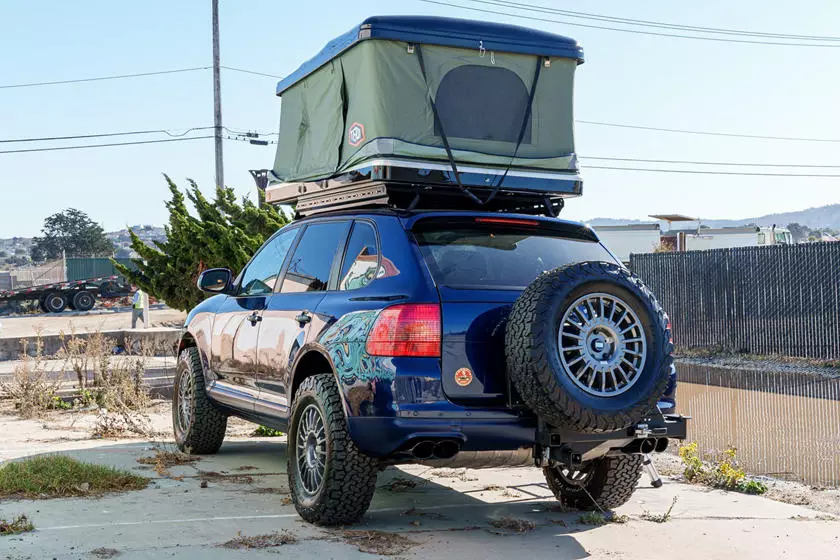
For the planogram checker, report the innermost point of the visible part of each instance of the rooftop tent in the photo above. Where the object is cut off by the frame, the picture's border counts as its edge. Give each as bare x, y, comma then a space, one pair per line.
368, 95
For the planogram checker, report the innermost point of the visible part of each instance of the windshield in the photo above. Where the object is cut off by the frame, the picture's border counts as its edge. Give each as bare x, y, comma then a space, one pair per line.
477, 256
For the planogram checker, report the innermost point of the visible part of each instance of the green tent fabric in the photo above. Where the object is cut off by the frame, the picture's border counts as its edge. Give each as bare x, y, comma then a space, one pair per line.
372, 102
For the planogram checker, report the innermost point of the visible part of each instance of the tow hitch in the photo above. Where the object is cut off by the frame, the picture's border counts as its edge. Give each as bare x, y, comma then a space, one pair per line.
559, 447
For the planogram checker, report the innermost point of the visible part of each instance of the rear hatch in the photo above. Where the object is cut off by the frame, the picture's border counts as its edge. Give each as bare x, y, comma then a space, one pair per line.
480, 265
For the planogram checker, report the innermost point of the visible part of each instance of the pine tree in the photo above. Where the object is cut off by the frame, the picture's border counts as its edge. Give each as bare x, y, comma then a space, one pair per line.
222, 233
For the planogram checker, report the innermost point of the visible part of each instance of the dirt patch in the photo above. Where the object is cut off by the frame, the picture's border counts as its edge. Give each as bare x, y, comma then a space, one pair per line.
163, 460
400, 484
213, 476
268, 491
103, 552
246, 468
378, 542
453, 474
270, 540
513, 524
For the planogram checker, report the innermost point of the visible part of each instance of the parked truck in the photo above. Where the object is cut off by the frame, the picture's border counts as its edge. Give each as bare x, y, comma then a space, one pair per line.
79, 295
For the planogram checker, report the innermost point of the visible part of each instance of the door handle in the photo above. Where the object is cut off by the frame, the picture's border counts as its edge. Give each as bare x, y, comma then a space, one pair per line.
303, 318
254, 318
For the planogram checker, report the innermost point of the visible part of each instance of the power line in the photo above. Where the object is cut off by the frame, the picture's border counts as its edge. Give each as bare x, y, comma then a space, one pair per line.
635, 31
719, 163
81, 147
138, 75
649, 23
104, 135
102, 78
243, 70
710, 133
128, 133
703, 172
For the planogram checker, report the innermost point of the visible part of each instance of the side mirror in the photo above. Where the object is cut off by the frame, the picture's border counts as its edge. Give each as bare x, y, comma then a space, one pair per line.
215, 281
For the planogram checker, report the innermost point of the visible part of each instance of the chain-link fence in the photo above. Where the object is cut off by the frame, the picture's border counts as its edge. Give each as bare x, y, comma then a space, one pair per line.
783, 299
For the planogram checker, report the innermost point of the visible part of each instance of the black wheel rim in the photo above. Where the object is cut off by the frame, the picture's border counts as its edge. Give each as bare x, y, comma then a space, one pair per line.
84, 300
577, 478
311, 449
56, 302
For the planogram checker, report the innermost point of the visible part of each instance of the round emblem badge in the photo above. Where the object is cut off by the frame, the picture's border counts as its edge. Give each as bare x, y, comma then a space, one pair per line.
463, 377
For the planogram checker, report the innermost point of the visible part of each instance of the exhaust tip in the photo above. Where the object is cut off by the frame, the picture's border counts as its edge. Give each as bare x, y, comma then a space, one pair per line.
423, 450
648, 445
446, 449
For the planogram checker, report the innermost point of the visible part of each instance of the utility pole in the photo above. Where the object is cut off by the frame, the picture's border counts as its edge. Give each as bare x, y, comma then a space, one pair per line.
217, 99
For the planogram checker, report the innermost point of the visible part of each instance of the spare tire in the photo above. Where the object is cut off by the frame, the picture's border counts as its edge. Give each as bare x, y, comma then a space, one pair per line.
588, 347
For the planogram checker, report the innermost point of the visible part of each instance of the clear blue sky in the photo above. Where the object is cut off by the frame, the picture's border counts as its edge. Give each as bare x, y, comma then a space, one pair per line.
627, 78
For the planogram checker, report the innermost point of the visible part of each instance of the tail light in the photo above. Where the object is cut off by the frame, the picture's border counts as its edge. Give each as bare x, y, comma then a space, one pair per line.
406, 330
668, 328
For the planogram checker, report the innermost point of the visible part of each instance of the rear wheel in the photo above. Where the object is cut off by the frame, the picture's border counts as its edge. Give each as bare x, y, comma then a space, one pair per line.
198, 424
83, 301
55, 302
331, 480
604, 483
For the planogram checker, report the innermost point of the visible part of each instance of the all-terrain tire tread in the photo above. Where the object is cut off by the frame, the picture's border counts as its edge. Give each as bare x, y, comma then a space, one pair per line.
350, 478
530, 370
612, 483
208, 424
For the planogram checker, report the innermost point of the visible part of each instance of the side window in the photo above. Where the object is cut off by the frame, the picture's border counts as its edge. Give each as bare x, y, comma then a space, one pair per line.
361, 260
261, 274
483, 103
309, 269
762, 239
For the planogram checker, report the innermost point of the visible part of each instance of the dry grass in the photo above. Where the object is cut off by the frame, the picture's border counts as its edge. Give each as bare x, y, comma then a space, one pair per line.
513, 524
598, 518
31, 390
378, 542
16, 526
660, 517
260, 541
400, 484
163, 460
59, 476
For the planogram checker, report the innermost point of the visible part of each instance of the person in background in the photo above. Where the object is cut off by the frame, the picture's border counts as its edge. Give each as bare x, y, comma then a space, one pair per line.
140, 302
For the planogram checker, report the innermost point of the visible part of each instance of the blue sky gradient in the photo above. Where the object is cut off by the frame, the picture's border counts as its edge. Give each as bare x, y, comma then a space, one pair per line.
627, 78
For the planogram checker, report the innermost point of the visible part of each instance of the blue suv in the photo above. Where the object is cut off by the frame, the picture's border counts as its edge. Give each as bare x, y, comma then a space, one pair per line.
383, 336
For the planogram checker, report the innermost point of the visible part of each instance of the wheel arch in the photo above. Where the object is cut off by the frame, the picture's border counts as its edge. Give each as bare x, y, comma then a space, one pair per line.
311, 360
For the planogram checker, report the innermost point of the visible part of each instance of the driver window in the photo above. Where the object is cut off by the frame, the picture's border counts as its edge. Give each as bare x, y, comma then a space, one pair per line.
261, 275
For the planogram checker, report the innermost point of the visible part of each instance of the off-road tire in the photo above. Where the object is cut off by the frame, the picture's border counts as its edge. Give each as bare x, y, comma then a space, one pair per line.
42, 304
533, 362
349, 478
610, 483
206, 430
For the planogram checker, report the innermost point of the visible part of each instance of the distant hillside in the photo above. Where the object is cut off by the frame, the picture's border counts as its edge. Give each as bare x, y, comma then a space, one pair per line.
15, 251
813, 218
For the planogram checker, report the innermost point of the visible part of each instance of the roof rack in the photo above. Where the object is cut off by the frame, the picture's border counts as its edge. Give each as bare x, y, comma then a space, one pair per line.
411, 185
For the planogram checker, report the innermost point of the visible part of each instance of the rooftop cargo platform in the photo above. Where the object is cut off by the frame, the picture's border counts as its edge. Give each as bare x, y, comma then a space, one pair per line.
434, 106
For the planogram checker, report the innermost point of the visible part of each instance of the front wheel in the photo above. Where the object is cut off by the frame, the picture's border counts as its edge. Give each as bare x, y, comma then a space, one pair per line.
604, 483
331, 480
198, 424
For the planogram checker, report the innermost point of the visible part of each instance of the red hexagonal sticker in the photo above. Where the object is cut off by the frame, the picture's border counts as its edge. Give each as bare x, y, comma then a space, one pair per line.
356, 134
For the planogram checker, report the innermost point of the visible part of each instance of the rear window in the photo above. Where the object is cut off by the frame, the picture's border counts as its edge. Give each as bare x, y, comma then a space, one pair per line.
476, 256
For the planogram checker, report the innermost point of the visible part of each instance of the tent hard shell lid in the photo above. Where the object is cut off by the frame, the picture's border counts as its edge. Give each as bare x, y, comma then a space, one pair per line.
479, 110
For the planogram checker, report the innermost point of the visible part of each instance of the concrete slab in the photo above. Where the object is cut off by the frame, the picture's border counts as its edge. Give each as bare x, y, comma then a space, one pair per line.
444, 512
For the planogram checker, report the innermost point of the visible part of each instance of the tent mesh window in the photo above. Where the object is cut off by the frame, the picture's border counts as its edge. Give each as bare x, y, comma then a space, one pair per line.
482, 103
